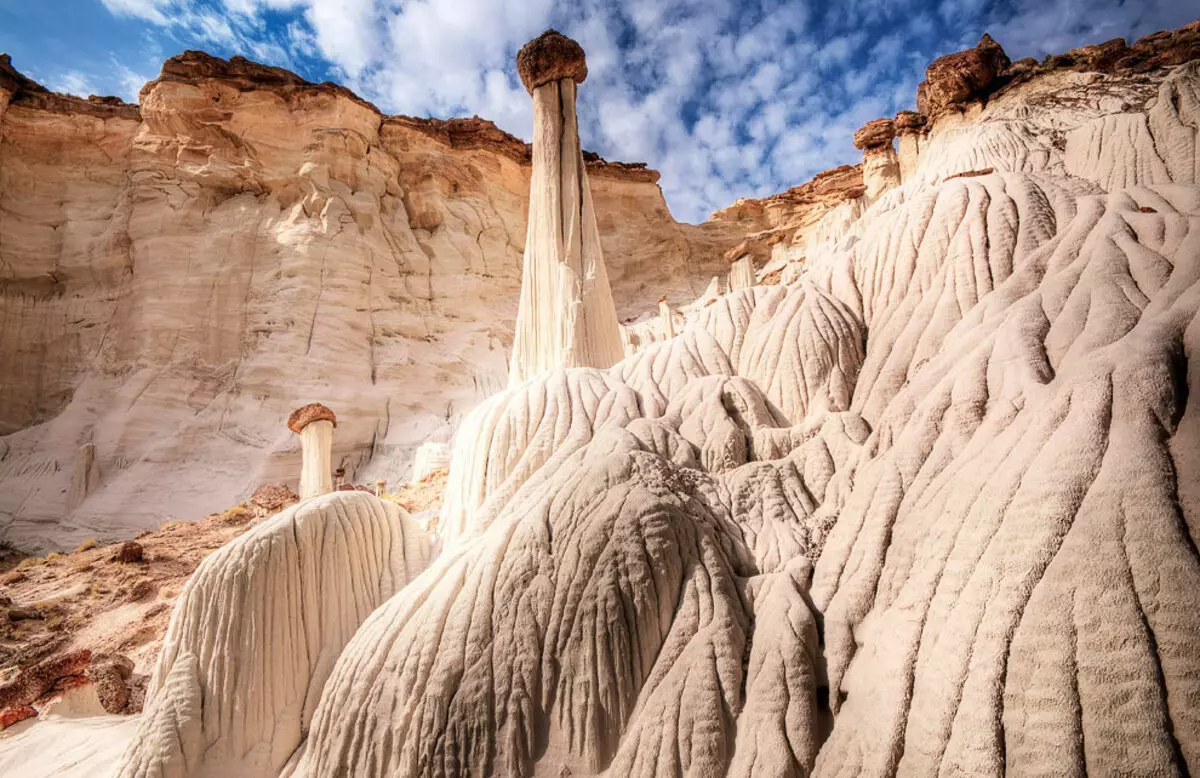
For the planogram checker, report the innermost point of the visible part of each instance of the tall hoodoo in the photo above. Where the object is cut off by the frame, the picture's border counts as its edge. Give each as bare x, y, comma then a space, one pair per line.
881, 168
314, 424
566, 316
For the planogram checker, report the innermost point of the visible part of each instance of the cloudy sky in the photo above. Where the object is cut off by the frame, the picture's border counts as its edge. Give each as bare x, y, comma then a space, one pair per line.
726, 99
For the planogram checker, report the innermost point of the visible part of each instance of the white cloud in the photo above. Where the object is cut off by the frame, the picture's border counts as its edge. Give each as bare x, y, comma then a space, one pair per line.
72, 82
150, 10
130, 82
727, 99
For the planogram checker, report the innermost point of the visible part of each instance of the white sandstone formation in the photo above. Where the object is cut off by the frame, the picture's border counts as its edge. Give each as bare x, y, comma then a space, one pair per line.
881, 166
1021, 451
432, 455
566, 317
86, 476
257, 631
741, 273
314, 424
179, 275
932, 507
666, 319
909, 126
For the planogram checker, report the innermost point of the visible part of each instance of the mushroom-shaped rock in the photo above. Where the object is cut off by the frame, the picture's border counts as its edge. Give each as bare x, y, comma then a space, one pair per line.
909, 121
550, 57
314, 424
566, 316
874, 133
909, 126
303, 416
961, 77
881, 167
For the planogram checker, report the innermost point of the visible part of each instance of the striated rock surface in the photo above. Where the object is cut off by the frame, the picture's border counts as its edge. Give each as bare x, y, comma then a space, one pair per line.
566, 317
290, 593
878, 132
177, 277
928, 505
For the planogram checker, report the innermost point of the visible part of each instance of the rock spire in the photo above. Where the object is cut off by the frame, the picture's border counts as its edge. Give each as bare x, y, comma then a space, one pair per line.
566, 316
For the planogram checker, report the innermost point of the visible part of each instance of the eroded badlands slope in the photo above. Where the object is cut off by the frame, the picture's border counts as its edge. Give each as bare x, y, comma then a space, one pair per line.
928, 506
177, 276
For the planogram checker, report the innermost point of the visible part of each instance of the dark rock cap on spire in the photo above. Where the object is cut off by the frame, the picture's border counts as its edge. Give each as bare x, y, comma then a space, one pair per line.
303, 416
878, 132
550, 57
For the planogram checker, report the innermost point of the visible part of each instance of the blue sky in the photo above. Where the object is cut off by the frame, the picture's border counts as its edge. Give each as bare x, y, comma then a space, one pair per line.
726, 99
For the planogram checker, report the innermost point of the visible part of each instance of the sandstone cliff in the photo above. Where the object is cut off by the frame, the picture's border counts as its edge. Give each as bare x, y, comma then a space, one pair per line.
927, 505
176, 276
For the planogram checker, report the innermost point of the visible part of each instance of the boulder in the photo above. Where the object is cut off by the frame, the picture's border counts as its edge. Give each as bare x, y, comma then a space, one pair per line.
551, 56
961, 77
877, 132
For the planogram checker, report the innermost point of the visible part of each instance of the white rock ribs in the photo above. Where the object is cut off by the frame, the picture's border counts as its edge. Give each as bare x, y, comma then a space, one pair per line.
972, 421
567, 316
257, 630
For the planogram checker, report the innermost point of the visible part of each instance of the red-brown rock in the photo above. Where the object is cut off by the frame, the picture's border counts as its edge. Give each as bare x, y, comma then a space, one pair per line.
551, 56
878, 132
910, 121
961, 77
14, 715
272, 498
307, 414
129, 552
110, 674
35, 681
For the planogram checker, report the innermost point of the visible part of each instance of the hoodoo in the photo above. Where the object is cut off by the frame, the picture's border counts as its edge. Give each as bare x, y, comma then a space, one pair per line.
566, 316
314, 424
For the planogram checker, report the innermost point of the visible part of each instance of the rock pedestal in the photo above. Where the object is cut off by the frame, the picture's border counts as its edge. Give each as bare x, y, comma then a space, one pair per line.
881, 167
566, 316
314, 424
909, 127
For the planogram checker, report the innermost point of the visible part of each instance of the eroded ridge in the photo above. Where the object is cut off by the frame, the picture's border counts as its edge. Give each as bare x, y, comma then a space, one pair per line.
256, 633
931, 506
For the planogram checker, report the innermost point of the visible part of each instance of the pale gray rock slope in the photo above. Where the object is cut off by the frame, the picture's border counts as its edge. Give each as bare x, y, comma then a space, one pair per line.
987, 452
931, 508
257, 630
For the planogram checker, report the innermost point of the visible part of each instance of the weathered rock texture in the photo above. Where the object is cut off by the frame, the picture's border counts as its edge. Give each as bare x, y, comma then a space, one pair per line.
909, 126
286, 596
929, 507
881, 167
177, 277
566, 317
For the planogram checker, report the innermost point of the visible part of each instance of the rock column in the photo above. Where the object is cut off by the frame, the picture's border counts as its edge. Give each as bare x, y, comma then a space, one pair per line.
909, 127
741, 273
566, 316
666, 317
881, 168
314, 424
86, 475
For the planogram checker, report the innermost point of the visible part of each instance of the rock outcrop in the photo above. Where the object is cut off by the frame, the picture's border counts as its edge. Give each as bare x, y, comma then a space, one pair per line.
566, 317
929, 505
910, 127
177, 277
257, 630
961, 77
881, 166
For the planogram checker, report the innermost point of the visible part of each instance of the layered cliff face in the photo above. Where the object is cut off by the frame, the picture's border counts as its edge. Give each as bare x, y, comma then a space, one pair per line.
176, 277
926, 505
